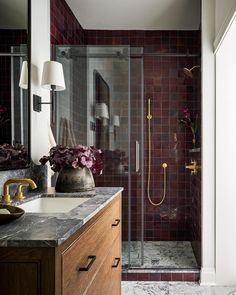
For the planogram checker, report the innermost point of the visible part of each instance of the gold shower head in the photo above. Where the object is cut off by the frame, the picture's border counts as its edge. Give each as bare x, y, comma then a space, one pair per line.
188, 72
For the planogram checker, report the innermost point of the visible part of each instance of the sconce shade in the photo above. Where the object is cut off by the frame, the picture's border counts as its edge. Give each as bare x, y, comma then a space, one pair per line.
23, 83
53, 76
116, 120
101, 111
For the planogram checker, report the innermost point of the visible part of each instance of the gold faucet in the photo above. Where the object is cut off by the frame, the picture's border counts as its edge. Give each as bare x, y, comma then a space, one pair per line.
19, 195
193, 167
23, 182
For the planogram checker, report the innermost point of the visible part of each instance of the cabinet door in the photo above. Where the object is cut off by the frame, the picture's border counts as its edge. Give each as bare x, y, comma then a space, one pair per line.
18, 278
108, 278
89, 252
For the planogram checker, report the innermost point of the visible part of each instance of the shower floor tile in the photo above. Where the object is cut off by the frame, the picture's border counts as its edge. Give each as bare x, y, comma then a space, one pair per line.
153, 288
161, 254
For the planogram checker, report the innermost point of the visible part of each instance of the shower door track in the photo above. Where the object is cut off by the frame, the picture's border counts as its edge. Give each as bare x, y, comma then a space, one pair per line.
13, 54
138, 55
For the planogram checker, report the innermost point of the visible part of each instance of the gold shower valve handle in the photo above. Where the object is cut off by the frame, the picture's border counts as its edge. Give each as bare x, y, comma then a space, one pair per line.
193, 167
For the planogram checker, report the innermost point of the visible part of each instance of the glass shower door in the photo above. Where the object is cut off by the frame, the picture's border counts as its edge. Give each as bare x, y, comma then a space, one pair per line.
103, 106
136, 139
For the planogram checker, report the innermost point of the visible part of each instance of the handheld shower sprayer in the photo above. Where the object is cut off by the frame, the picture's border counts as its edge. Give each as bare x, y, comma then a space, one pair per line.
164, 165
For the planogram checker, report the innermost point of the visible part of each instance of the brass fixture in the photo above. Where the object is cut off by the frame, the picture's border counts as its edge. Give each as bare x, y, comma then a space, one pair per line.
164, 165
19, 195
6, 198
193, 167
189, 72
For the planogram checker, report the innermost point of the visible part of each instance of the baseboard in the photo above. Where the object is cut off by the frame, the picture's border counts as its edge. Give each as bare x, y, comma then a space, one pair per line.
208, 276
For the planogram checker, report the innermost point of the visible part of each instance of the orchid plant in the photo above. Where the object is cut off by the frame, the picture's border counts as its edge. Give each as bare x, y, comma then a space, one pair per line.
78, 156
190, 122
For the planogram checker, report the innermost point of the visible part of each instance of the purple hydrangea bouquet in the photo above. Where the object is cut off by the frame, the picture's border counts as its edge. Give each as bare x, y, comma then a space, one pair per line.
13, 155
75, 166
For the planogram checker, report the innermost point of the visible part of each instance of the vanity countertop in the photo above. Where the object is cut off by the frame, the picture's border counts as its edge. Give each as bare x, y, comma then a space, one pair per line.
51, 230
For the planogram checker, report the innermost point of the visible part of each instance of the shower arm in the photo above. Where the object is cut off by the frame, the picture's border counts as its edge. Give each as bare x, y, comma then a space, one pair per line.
194, 67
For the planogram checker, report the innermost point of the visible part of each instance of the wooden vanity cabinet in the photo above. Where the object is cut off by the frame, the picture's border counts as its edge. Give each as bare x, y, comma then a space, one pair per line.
88, 263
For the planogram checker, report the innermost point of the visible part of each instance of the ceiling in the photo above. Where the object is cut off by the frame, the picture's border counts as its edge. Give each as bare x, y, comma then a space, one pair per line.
13, 14
137, 14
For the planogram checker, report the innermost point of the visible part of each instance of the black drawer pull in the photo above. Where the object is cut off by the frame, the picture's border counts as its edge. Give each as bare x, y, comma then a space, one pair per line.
91, 260
117, 261
117, 221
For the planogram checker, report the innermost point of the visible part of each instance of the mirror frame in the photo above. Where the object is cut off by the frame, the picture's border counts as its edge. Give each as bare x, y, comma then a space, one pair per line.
29, 161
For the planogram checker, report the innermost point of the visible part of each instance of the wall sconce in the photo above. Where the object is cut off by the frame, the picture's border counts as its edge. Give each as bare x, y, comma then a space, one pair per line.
101, 112
23, 83
52, 79
116, 120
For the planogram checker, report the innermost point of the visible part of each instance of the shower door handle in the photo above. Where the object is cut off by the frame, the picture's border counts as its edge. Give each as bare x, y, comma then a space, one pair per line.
137, 155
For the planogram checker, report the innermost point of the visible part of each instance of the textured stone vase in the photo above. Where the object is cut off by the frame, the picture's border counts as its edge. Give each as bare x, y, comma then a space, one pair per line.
72, 180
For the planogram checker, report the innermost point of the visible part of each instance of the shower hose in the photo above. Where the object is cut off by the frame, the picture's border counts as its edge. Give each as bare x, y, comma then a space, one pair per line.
164, 165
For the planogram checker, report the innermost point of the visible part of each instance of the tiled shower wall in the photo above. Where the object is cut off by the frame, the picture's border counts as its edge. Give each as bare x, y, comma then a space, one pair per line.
65, 29
169, 90
8, 38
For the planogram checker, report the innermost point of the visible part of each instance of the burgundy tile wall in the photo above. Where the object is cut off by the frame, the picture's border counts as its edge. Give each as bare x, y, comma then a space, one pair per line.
195, 192
170, 90
195, 182
8, 38
152, 41
162, 276
65, 28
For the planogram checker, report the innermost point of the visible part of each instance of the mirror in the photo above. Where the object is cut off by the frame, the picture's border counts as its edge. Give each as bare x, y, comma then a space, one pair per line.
14, 84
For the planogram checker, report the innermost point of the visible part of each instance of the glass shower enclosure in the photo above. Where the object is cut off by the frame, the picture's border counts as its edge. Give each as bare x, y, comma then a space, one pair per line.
13, 97
103, 106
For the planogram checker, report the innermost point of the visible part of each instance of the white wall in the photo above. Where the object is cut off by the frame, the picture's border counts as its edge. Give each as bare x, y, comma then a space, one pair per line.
40, 52
226, 159
208, 143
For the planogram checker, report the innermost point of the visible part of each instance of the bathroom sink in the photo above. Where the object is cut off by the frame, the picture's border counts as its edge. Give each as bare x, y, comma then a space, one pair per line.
52, 205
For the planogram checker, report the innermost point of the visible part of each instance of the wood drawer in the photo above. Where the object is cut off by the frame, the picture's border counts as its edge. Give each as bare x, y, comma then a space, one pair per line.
108, 279
96, 241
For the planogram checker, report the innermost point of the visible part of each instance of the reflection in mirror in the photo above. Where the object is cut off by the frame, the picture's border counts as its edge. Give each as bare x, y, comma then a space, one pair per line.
14, 93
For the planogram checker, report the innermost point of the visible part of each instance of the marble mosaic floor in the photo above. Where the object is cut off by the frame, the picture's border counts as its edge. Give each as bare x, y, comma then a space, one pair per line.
160, 254
165, 288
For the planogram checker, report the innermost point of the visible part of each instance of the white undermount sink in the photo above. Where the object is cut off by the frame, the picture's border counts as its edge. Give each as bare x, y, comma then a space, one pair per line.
52, 205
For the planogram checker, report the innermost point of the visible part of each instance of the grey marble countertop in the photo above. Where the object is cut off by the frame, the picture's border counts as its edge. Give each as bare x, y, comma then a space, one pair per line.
51, 230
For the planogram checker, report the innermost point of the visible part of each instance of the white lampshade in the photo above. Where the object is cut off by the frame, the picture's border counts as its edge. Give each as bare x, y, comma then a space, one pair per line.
23, 83
116, 120
101, 111
53, 76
